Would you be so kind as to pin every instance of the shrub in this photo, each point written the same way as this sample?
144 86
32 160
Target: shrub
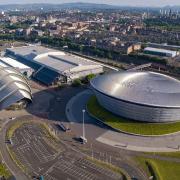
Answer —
76 83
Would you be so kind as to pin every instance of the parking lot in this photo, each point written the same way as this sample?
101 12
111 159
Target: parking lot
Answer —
41 155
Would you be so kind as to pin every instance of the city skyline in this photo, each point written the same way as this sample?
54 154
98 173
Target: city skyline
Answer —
111 2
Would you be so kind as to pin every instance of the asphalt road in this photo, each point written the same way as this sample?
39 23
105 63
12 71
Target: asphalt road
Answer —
93 130
58 110
74 113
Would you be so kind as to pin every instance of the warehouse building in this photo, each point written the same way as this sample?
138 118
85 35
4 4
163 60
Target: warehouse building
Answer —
141 96
52 66
160 52
15 92
9 62
164 46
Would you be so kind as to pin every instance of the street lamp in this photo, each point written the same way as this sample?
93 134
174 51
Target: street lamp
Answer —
84 140
83 111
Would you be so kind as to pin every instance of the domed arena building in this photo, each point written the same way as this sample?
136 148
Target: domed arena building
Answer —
14 89
141 96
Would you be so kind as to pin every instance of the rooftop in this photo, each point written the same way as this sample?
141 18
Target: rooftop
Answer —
160 50
6 61
14 87
57 60
145 88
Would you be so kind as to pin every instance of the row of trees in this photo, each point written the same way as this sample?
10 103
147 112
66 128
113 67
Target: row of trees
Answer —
86 80
85 49
99 52
165 23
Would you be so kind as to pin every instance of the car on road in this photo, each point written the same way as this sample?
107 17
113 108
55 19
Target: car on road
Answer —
8 141
63 127
12 118
83 140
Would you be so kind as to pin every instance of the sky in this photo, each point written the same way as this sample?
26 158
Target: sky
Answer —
113 2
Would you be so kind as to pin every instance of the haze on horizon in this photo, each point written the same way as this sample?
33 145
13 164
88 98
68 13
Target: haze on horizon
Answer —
154 3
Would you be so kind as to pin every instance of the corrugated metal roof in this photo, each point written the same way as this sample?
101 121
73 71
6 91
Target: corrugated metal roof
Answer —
54 59
13 63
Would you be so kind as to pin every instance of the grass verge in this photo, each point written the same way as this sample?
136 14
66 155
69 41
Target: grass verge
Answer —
116 169
13 127
14 158
175 154
130 126
4 171
48 132
160 169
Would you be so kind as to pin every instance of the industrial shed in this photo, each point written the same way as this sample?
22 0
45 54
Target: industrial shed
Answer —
160 52
9 62
52 66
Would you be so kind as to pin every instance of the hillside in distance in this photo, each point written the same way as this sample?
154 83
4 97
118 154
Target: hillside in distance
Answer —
76 5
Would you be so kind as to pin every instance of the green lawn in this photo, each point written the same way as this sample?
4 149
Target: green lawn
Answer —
130 126
175 154
160 169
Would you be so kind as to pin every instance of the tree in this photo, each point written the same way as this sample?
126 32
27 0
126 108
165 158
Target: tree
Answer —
109 55
76 83
90 76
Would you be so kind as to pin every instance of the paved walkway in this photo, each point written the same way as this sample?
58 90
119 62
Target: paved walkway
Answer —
120 140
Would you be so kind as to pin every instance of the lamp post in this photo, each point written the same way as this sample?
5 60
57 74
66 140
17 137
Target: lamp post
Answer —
82 138
83 111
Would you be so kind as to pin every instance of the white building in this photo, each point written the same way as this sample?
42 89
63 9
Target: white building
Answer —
52 65
9 62
160 52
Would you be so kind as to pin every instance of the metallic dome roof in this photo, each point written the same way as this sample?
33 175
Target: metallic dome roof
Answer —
13 87
145 88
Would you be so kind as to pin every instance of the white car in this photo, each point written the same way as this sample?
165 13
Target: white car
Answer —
12 118
83 140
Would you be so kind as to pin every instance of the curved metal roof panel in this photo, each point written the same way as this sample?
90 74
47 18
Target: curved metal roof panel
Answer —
145 88
13 87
